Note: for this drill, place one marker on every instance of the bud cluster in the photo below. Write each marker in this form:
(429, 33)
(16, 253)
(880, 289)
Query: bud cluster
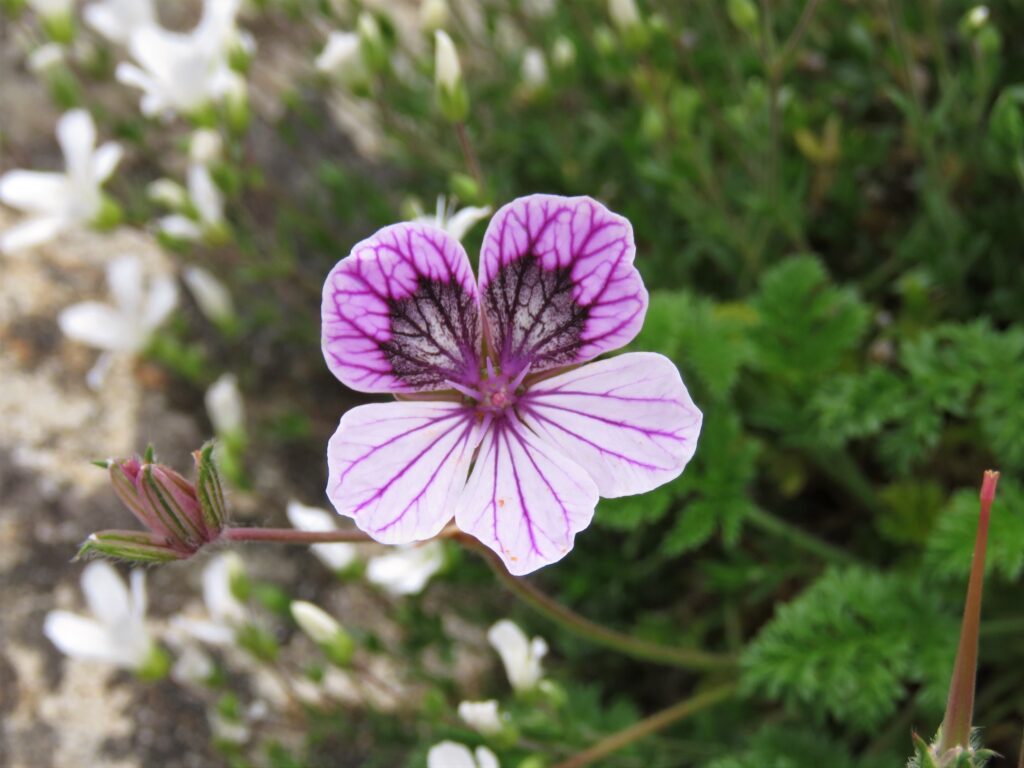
(180, 517)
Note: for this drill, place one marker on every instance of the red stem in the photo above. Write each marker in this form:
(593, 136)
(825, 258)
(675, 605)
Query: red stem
(956, 726)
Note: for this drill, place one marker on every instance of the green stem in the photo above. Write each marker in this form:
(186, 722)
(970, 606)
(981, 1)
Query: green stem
(686, 658)
(650, 725)
(798, 537)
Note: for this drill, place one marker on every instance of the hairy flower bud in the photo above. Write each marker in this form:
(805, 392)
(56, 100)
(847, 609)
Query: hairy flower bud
(451, 91)
(180, 517)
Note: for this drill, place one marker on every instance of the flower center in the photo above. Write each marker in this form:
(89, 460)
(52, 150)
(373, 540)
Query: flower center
(494, 392)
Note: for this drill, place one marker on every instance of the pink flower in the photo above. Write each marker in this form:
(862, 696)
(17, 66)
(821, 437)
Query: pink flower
(497, 422)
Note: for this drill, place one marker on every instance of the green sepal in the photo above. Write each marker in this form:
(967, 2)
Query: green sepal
(209, 490)
(130, 546)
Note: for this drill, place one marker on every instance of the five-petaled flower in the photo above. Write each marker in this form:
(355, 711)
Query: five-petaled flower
(498, 422)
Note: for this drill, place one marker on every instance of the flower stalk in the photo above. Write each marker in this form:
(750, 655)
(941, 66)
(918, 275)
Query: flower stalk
(956, 725)
(649, 725)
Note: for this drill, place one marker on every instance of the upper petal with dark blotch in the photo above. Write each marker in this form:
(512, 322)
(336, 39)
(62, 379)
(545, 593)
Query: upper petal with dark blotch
(398, 468)
(558, 283)
(628, 421)
(524, 499)
(401, 313)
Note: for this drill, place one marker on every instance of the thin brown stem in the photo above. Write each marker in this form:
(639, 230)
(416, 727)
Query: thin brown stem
(797, 35)
(649, 725)
(686, 658)
(469, 155)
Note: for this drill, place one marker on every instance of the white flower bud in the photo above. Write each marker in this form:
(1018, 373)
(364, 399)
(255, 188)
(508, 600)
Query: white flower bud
(315, 622)
(447, 71)
(481, 716)
(205, 147)
(224, 405)
(977, 16)
(563, 52)
(624, 13)
(45, 57)
(534, 69)
(211, 294)
(167, 193)
(433, 14)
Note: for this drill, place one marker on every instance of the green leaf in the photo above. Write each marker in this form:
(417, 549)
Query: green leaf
(806, 325)
(850, 646)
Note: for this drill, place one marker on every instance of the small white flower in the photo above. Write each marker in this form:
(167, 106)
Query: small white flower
(225, 407)
(118, 20)
(521, 656)
(406, 570)
(447, 70)
(433, 14)
(624, 13)
(455, 223)
(225, 614)
(205, 147)
(315, 622)
(211, 294)
(209, 205)
(116, 632)
(46, 57)
(182, 73)
(449, 754)
(128, 323)
(481, 716)
(56, 202)
(337, 556)
(534, 69)
(342, 58)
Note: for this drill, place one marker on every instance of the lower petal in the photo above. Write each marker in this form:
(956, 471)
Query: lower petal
(398, 468)
(34, 191)
(99, 325)
(80, 637)
(628, 421)
(524, 500)
(31, 233)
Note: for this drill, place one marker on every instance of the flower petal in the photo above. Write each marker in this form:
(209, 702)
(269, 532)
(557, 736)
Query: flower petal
(449, 754)
(220, 601)
(124, 277)
(30, 233)
(106, 593)
(338, 556)
(161, 300)
(33, 191)
(398, 468)
(205, 196)
(99, 325)
(76, 133)
(628, 421)
(406, 570)
(520, 656)
(80, 637)
(557, 282)
(524, 500)
(400, 312)
(105, 161)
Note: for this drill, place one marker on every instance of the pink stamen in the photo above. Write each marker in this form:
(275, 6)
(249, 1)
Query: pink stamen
(467, 391)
